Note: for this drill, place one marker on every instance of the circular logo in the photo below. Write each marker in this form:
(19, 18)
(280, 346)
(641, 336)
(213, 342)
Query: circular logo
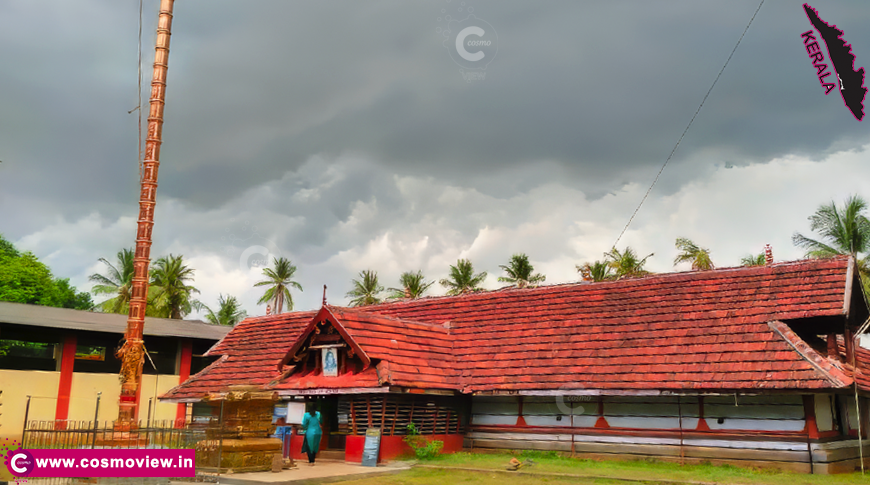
(20, 463)
(257, 257)
(254, 256)
(472, 42)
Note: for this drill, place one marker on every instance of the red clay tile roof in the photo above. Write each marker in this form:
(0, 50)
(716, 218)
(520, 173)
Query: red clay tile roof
(682, 331)
(419, 354)
(250, 352)
(862, 360)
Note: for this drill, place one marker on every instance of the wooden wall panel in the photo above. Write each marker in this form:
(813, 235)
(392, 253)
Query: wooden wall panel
(751, 411)
(550, 408)
(635, 440)
(548, 420)
(850, 414)
(523, 445)
(756, 424)
(519, 436)
(645, 409)
(584, 421)
(824, 412)
(634, 449)
(649, 422)
(430, 414)
(749, 444)
(490, 405)
(491, 419)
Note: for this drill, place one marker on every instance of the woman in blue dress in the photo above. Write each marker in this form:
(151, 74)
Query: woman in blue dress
(311, 427)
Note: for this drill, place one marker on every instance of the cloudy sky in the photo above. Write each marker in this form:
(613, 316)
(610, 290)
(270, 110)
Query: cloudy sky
(347, 135)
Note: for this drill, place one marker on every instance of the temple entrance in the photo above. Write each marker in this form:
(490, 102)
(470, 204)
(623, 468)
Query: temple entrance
(334, 435)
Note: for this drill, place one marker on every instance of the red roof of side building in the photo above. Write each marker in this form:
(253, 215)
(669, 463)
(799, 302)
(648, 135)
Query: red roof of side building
(714, 330)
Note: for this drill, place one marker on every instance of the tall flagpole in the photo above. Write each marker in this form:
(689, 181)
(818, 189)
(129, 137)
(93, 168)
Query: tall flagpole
(131, 352)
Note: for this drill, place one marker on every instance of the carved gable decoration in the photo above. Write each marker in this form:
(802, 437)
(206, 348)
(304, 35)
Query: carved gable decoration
(324, 346)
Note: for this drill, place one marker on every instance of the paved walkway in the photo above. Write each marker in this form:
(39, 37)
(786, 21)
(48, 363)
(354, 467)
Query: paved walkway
(322, 472)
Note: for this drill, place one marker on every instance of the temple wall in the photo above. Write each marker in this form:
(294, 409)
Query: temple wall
(759, 431)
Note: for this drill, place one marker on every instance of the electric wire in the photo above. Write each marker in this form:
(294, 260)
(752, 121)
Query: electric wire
(656, 179)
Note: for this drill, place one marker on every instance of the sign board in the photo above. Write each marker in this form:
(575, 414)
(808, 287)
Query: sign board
(295, 412)
(372, 447)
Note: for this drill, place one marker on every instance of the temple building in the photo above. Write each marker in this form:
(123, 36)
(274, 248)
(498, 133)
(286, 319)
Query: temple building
(751, 366)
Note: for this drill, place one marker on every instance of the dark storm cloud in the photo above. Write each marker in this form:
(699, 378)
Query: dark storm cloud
(600, 91)
(604, 90)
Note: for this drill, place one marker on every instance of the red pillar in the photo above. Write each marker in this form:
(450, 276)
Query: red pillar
(811, 427)
(184, 359)
(67, 360)
(602, 422)
(702, 422)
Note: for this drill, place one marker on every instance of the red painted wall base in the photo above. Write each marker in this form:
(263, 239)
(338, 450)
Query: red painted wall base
(393, 447)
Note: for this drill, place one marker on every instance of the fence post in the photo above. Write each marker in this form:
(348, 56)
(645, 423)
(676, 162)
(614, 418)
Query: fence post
(96, 414)
(26, 415)
(221, 433)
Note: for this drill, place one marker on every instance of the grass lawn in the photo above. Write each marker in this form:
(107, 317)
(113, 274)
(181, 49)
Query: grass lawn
(429, 476)
(549, 465)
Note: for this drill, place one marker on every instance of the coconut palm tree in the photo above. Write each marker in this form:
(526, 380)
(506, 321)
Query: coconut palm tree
(626, 264)
(172, 296)
(229, 311)
(843, 231)
(413, 286)
(118, 281)
(365, 290)
(597, 271)
(462, 278)
(691, 252)
(520, 272)
(753, 260)
(279, 282)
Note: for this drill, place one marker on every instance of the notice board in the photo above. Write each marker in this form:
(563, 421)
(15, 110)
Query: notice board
(295, 412)
(372, 447)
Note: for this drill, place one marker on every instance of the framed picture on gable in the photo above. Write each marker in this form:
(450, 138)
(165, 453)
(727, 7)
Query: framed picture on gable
(330, 362)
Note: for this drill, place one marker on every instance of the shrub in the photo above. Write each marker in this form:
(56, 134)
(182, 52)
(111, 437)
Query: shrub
(423, 448)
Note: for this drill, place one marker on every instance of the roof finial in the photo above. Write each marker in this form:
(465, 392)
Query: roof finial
(324, 295)
(768, 254)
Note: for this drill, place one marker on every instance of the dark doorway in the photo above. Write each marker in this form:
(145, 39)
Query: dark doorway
(329, 411)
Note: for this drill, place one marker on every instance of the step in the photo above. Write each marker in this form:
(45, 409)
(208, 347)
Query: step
(330, 455)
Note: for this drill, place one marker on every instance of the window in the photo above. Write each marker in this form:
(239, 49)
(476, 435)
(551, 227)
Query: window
(90, 352)
(27, 355)
(20, 348)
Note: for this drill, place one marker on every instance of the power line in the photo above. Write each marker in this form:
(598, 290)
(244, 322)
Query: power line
(656, 179)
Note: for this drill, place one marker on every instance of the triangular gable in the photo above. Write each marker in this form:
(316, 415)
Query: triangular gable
(325, 314)
(821, 364)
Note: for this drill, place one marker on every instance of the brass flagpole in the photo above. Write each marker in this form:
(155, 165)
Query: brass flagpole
(131, 352)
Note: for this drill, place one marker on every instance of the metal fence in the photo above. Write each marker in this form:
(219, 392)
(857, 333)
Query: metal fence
(204, 435)
(69, 434)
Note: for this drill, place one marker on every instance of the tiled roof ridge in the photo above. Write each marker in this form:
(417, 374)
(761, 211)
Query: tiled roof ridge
(837, 376)
(277, 317)
(676, 276)
(428, 325)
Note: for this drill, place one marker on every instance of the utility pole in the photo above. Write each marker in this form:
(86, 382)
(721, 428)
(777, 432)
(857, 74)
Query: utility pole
(131, 352)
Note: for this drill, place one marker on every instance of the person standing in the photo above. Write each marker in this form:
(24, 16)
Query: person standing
(313, 432)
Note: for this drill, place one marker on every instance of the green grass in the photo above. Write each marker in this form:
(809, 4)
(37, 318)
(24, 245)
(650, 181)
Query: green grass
(594, 472)
(428, 476)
